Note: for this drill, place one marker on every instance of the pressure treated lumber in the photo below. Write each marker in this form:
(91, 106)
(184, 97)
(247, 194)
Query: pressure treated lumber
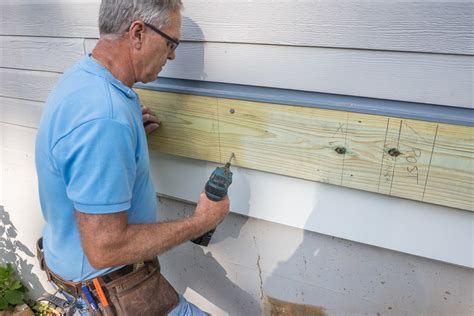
(189, 125)
(450, 179)
(418, 160)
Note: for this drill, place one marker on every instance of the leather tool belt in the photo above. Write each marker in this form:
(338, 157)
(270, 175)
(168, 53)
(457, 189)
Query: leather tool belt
(131, 290)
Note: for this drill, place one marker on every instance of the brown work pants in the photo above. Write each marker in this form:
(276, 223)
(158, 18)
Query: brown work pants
(132, 290)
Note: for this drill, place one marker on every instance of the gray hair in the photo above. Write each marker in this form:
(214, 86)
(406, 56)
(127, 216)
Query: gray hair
(116, 16)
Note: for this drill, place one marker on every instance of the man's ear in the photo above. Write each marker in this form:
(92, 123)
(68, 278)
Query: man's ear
(136, 30)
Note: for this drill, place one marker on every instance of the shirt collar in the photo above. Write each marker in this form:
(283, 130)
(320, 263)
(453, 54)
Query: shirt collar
(93, 67)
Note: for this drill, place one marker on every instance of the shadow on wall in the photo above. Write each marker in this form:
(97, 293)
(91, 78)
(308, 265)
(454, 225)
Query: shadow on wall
(196, 34)
(219, 288)
(14, 251)
(192, 267)
(289, 289)
(188, 65)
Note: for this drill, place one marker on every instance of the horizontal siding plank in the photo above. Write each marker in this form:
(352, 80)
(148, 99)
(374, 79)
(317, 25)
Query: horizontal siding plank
(40, 53)
(425, 78)
(50, 19)
(25, 84)
(441, 26)
(430, 26)
(305, 143)
(20, 112)
(413, 77)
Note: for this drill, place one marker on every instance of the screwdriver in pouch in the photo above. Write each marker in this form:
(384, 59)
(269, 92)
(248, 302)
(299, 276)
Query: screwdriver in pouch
(215, 189)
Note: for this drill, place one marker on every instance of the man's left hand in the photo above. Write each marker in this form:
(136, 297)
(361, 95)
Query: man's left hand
(150, 121)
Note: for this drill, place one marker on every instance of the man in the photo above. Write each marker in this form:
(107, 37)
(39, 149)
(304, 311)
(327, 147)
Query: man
(96, 193)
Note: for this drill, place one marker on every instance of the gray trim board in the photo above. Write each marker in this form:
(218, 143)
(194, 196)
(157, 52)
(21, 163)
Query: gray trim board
(409, 110)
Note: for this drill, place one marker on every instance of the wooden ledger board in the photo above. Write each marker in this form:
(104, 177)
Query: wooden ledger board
(419, 160)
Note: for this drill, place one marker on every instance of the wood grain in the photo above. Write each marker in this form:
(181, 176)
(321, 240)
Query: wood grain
(423, 161)
(364, 135)
(415, 144)
(291, 141)
(451, 173)
(189, 125)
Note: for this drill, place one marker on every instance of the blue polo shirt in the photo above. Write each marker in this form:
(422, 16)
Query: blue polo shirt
(91, 156)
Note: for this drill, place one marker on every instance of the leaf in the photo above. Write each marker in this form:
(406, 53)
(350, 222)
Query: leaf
(3, 303)
(4, 276)
(14, 297)
(5, 273)
(16, 285)
(11, 232)
(19, 246)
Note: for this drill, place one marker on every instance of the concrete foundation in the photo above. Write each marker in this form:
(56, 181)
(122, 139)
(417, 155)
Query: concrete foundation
(250, 264)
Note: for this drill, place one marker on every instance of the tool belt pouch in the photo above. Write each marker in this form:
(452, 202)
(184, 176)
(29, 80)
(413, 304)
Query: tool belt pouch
(143, 291)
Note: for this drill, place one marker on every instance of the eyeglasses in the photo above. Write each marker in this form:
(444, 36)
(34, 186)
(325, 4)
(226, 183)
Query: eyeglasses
(171, 42)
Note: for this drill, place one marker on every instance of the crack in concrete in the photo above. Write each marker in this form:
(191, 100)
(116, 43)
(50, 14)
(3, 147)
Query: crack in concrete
(262, 294)
(305, 268)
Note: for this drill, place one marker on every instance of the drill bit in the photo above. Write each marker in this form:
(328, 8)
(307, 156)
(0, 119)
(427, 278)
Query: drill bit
(232, 156)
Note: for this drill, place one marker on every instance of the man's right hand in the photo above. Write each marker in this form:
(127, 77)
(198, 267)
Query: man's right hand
(211, 213)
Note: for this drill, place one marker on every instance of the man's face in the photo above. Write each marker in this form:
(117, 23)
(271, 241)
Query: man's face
(157, 49)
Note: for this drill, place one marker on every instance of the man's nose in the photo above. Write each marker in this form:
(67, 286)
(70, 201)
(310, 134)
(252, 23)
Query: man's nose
(172, 55)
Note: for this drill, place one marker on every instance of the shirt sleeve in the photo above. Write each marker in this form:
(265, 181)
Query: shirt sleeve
(98, 165)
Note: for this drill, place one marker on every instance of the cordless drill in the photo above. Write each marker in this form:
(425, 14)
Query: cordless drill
(215, 189)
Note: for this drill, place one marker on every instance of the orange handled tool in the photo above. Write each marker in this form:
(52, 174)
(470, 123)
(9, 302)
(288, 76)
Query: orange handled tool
(100, 292)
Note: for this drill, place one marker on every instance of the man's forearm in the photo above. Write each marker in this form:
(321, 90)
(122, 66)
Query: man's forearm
(116, 242)
(109, 240)
(146, 241)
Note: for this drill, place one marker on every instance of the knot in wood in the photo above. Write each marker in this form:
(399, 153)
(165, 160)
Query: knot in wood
(394, 152)
(341, 150)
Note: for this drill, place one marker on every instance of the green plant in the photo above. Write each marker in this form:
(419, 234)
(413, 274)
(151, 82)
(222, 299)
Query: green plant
(43, 309)
(12, 291)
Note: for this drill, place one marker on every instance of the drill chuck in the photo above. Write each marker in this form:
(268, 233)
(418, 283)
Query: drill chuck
(215, 189)
(217, 185)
